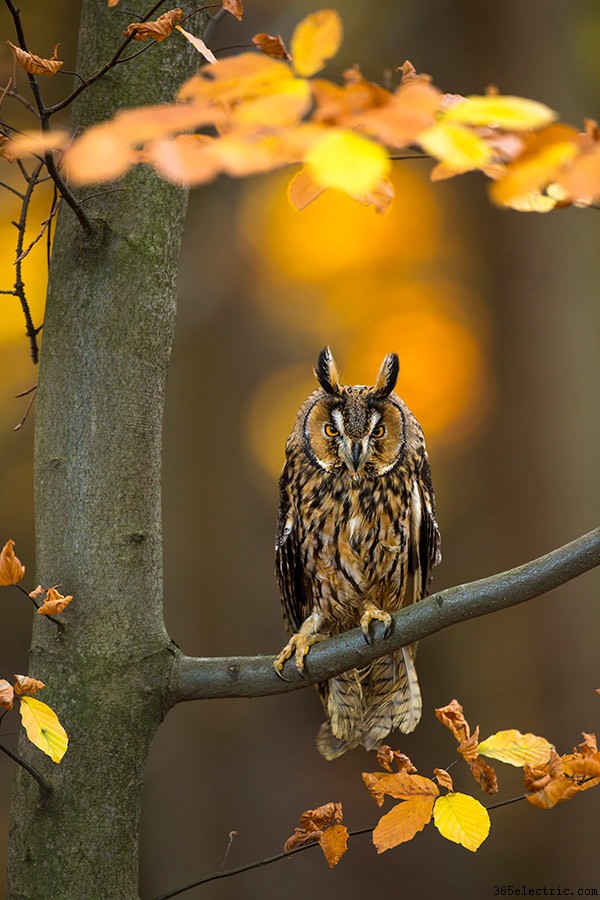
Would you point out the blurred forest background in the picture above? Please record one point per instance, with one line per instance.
(495, 316)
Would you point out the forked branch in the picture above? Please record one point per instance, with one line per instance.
(254, 676)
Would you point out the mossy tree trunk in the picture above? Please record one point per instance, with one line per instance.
(107, 341)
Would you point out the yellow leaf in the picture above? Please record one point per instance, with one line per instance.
(316, 39)
(458, 148)
(347, 161)
(285, 106)
(461, 819)
(199, 44)
(532, 201)
(402, 823)
(532, 171)
(234, 79)
(512, 113)
(516, 749)
(43, 728)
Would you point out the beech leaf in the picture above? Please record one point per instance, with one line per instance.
(11, 568)
(158, 30)
(54, 603)
(516, 749)
(36, 65)
(510, 113)
(26, 685)
(316, 39)
(334, 843)
(235, 8)
(7, 694)
(199, 44)
(402, 822)
(461, 819)
(43, 728)
(272, 45)
(347, 161)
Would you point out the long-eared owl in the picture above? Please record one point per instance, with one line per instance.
(357, 539)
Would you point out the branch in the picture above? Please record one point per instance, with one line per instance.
(45, 785)
(254, 676)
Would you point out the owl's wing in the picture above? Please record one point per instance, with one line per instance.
(424, 551)
(295, 597)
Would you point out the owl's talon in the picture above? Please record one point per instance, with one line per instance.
(372, 612)
(297, 646)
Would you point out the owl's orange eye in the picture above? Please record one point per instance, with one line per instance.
(330, 430)
(378, 432)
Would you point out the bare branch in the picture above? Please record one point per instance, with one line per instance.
(45, 785)
(254, 676)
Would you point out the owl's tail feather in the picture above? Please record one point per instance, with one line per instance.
(343, 702)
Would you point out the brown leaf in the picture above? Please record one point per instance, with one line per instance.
(6, 694)
(36, 65)
(334, 843)
(112, 2)
(158, 30)
(37, 592)
(11, 568)
(554, 792)
(272, 45)
(468, 747)
(402, 822)
(589, 745)
(444, 779)
(399, 785)
(26, 685)
(313, 823)
(4, 151)
(54, 603)
(409, 73)
(483, 774)
(234, 7)
(452, 717)
(386, 757)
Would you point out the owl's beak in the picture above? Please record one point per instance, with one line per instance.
(356, 454)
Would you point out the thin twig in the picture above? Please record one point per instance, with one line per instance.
(13, 190)
(19, 284)
(232, 834)
(45, 224)
(37, 606)
(33, 82)
(27, 410)
(45, 785)
(22, 100)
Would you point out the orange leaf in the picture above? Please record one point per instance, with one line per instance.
(11, 568)
(37, 142)
(237, 78)
(452, 717)
(54, 603)
(402, 822)
(483, 774)
(37, 592)
(313, 823)
(26, 685)
(410, 111)
(554, 792)
(444, 779)
(386, 757)
(234, 7)
(541, 162)
(399, 785)
(334, 843)
(158, 30)
(6, 694)
(112, 2)
(36, 65)
(272, 45)
(316, 39)
(302, 190)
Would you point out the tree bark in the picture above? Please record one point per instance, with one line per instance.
(107, 341)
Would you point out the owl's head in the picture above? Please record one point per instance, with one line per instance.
(355, 428)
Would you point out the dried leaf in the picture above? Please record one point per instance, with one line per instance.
(483, 774)
(468, 747)
(581, 180)
(7, 694)
(588, 766)
(462, 819)
(54, 603)
(11, 568)
(334, 843)
(589, 745)
(340, 105)
(235, 8)
(510, 113)
(26, 685)
(516, 749)
(199, 44)
(403, 822)
(36, 65)
(452, 717)
(409, 112)
(43, 728)
(399, 785)
(315, 40)
(272, 45)
(158, 30)
(556, 791)
(112, 2)
(541, 162)
(347, 161)
(313, 823)
(387, 758)
(444, 779)
(37, 592)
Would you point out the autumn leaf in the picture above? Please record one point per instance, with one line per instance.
(199, 44)
(399, 785)
(112, 2)
(316, 39)
(26, 685)
(453, 718)
(509, 113)
(7, 694)
(347, 161)
(403, 822)
(54, 603)
(516, 749)
(461, 819)
(11, 568)
(235, 8)
(460, 149)
(322, 825)
(39, 591)
(272, 45)
(444, 779)
(43, 728)
(158, 30)
(37, 142)
(302, 190)
(36, 65)
(334, 843)
(235, 79)
(387, 758)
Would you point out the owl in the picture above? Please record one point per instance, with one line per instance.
(357, 539)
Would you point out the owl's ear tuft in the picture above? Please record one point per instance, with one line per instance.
(327, 373)
(387, 376)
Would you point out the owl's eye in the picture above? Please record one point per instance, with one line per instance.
(330, 430)
(378, 432)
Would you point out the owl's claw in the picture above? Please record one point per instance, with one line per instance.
(372, 612)
(297, 646)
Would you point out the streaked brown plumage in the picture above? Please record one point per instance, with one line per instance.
(357, 539)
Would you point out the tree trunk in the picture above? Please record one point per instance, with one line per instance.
(107, 341)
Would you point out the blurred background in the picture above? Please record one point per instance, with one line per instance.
(495, 316)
